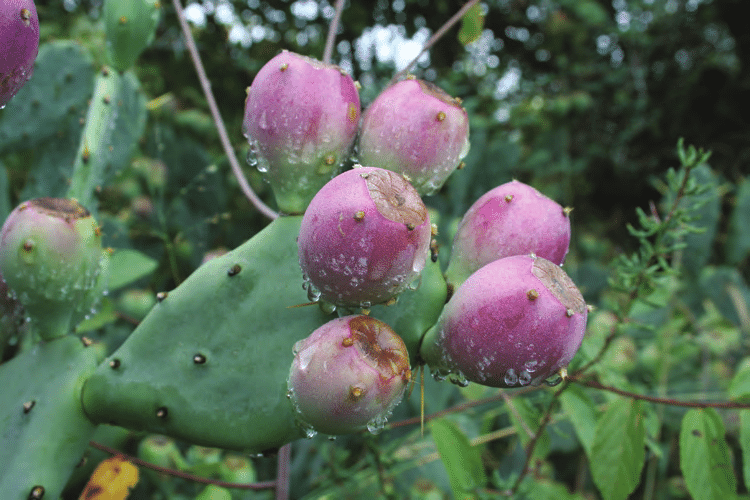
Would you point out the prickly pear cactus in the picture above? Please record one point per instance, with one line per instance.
(19, 45)
(209, 363)
(130, 27)
(44, 428)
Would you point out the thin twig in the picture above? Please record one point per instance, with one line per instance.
(434, 39)
(283, 472)
(332, 29)
(265, 485)
(663, 401)
(206, 86)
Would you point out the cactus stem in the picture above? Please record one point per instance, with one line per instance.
(199, 359)
(161, 296)
(532, 294)
(162, 412)
(36, 493)
(114, 364)
(508, 198)
(234, 270)
(28, 405)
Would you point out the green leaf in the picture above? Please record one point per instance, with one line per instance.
(529, 421)
(127, 266)
(704, 456)
(617, 453)
(582, 412)
(471, 25)
(745, 443)
(739, 387)
(738, 238)
(461, 460)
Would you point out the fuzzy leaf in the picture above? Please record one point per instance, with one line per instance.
(461, 460)
(617, 453)
(471, 25)
(704, 456)
(127, 266)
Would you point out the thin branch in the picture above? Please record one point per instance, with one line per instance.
(434, 39)
(332, 29)
(266, 485)
(220, 127)
(663, 401)
(283, 472)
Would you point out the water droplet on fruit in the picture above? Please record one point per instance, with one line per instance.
(524, 378)
(554, 380)
(309, 431)
(531, 366)
(327, 307)
(263, 122)
(439, 375)
(365, 304)
(313, 294)
(252, 158)
(511, 378)
(458, 379)
(377, 424)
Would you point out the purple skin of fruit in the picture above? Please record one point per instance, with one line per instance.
(348, 375)
(415, 128)
(515, 322)
(511, 219)
(364, 238)
(301, 118)
(19, 45)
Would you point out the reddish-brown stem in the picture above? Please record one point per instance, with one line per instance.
(183, 475)
(332, 29)
(283, 472)
(440, 33)
(218, 121)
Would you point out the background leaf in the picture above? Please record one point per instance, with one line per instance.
(461, 460)
(704, 456)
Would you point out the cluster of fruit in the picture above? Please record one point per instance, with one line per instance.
(513, 317)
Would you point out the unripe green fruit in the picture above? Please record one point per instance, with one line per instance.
(51, 258)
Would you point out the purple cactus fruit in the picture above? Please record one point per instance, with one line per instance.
(511, 219)
(51, 258)
(301, 118)
(348, 375)
(19, 45)
(416, 129)
(364, 238)
(515, 322)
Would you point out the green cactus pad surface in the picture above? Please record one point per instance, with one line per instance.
(209, 363)
(130, 27)
(45, 431)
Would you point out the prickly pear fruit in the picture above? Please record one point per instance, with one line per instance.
(511, 219)
(415, 128)
(130, 27)
(348, 375)
(19, 45)
(301, 118)
(51, 258)
(364, 238)
(514, 322)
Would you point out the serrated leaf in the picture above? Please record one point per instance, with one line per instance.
(739, 387)
(582, 413)
(618, 453)
(704, 456)
(461, 460)
(127, 266)
(471, 25)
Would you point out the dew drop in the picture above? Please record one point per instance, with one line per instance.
(327, 307)
(458, 379)
(313, 294)
(524, 378)
(511, 378)
(376, 425)
(531, 366)
(554, 380)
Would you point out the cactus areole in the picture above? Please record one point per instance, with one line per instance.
(301, 118)
(19, 45)
(413, 127)
(50, 255)
(364, 238)
(515, 322)
(348, 375)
